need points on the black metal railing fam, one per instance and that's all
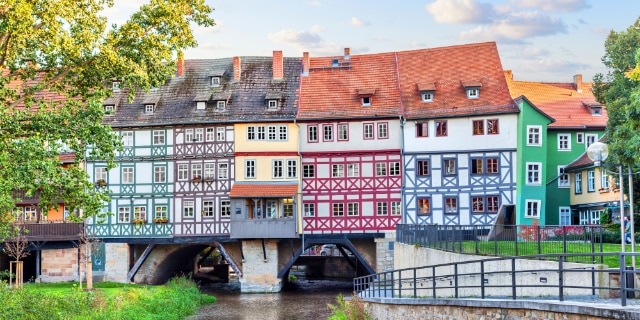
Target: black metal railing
(525, 277)
(504, 240)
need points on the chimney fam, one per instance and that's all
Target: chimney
(237, 68)
(305, 63)
(347, 53)
(508, 74)
(278, 69)
(577, 82)
(180, 63)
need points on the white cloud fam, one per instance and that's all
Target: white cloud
(358, 22)
(315, 3)
(316, 28)
(295, 37)
(516, 28)
(555, 5)
(460, 11)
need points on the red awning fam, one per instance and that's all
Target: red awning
(263, 190)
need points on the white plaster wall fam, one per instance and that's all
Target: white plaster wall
(356, 137)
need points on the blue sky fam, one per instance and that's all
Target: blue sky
(540, 40)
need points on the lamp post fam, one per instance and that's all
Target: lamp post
(598, 152)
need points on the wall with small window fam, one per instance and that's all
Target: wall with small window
(350, 135)
(267, 168)
(266, 137)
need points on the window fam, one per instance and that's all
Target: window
(109, 108)
(287, 207)
(159, 174)
(188, 208)
(492, 126)
(273, 104)
(424, 206)
(210, 134)
(140, 213)
(251, 133)
(477, 204)
(353, 209)
(382, 208)
(394, 168)
(493, 204)
(158, 137)
(225, 208)
(161, 212)
(353, 170)
(196, 171)
(381, 169)
(591, 181)
(383, 130)
(127, 138)
(199, 135)
(492, 166)
(478, 127)
(223, 171)
(422, 167)
(368, 131)
(278, 169)
(282, 133)
(343, 132)
(366, 101)
(215, 81)
(604, 179)
(188, 136)
(220, 133)
(327, 130)
(312, 133)
(395, 208)
(309, 209)
(590, 216)
(115, 86)
(563, 178)
(476, 166)
(308, 171)
(249, 169)
(533, 173)
(422, 129)
(148, 108)
(532, 209)
(124, 215)
(271, 132)
(338, 210)
(565, 216)
(183, 171)
(209, 171)
(271, 211)
(292, 169)
(208, 209)
(127, 175)
(564, 142)
(337, 171)
(220, 105)
(100, 173)
(533, 136)
(591, 138)
(201, 105)
(261, 133)
(441, 128)
(450, 205)
(449, 167)
(578, 181)
(473, 93)
(427, 96)
(580, 137)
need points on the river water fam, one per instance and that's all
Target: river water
(301, 300)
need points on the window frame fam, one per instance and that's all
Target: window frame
(337, 170)
(421, 208)
(532, 208)
(478, 127)
(447, 170)
(158, 137)
(312, 133)
(277, 169)
(577, 182)
(563, 178)
(382, 130)
(451, 205)
(534, 173)
(368, 131)
(343, 132)
(591, 181)
(327, 132)
(493, 126)
(160, 174)
(441, 128)
(423, 167)
(534, 136)
(249, 168)
(564, 142)
(308, 170)
(422, 129)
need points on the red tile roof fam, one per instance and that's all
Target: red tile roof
(561, 101)
(450, 69)
(262, 190)
(335, 91)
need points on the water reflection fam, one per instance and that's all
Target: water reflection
(304, 299)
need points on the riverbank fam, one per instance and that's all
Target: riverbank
(179, 298)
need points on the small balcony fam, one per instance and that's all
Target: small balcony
(62, 231)
(263, 228)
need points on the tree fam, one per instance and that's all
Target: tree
(619, 91)
(57, 57)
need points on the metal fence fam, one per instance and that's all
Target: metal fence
(505, 240)
(524, 277)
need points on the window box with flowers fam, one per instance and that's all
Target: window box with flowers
(101, 183)
(138, 221)
(603, 190)
(161, 220)
(196, 179)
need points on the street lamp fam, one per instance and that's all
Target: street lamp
(598, 152)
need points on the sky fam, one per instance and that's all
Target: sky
(539, 40)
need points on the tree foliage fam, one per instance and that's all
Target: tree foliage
(57, 57)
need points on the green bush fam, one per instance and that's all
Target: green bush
(349, 310)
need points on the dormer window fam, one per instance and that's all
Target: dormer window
(427, 91)
(214, 81)
(366, 96)
(594, 108)
(366, 101)
(149, 108)
(115, 86)
(473, 93)
(201, 105)
(472, 88)
(109, 109)
(221, 105)
(272, 104)
(427, 96)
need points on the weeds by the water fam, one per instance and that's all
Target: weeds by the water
(349, 310)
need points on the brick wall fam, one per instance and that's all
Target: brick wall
(59, 265)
